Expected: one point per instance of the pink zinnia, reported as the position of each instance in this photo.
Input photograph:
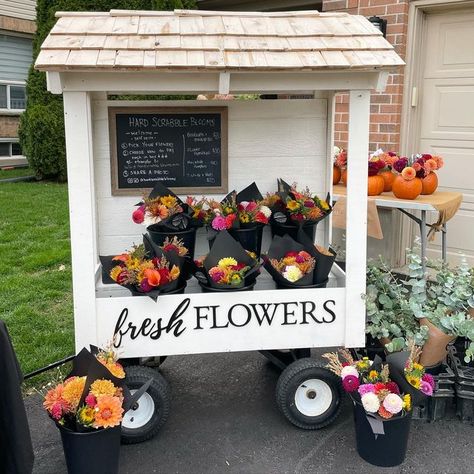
(366, 388)
(56, 411)
(429, 378)
(308, 203)
(426, 388)
(219, 223)
(350, 383)
(216, 274)
(90, 400)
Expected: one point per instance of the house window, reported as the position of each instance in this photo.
(9, 147)
(12, 96)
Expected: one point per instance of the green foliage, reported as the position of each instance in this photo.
(42, 137)
(44, 110)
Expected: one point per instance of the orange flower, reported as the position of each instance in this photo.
(315, 213)
(409, 173)
(55, 395)
(72, 392)
(439, 161)
(433, 164)
(416, 166)
(103, 387)
(153, 277)
(108, 412)
(122, 257)
(174, 273)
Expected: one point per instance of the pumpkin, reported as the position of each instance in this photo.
(336, 174)
(429, 183)
(344, 176)
(388, 178)
(406, 189)
(375, 185)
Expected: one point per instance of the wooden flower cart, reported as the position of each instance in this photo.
(117, 146)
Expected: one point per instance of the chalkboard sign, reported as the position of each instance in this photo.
(185, 148)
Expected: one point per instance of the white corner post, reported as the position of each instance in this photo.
(356, 220)
(82, 214)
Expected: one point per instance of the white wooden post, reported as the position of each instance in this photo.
(331, 101)
(356, 220)
(82, 213)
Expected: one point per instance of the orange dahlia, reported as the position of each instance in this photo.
(409, 173)
(384, 413)
(433, 164)
(108, 412)
(53, 396)
(72, 392)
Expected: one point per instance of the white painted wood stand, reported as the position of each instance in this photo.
(268, 139)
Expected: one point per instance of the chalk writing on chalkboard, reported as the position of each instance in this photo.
(185, 148)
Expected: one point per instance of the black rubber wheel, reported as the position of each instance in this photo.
(309, 395)
(144, 420)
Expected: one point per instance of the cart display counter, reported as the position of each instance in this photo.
(92, 58)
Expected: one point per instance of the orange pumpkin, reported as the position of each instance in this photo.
(336, 174)
(406, 189)
(344, 176)
(429, 183)
(375, 185)
(388, 178)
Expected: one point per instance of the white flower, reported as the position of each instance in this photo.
(337, 150)
(377, 153)
(149, 219)
(244, 204)
(266, 211)
(292, 273)
(393, 403)
(370, 402)
(349, 370)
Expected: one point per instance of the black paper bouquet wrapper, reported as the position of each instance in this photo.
(396, 362)
(225, 246)
(85, 364)
(152, 250)
(324, 262)
(178, 222)
(279, 247)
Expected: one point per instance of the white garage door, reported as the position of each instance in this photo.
(447, 117)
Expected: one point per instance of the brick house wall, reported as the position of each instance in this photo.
(385, 108)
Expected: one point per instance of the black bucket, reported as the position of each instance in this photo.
(309, 229)
(211, 289)
(294, 286)
(159, 233)
(249, 237)
(92, 452)
(176, 291)
(384, 450)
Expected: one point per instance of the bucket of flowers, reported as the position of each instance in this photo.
(147, 269)
(165, 215)
(88, 407)
(290, 265)
(382, 413)
(293, 209)
(243, 215)
(227, 267)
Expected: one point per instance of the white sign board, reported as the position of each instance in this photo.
(213, 322)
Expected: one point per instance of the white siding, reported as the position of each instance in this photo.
(264, 144)
(24, 9)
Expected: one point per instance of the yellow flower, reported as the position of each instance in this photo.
(415, 381)
(115, 272)
(72, 391)
(228, 210)
(324, 205)
(417, 366)
(174, 273)
(133, 263)
(292, 205)
(373, 374)
(235, 279)
(86, 415)
(103, 387)
(226, 262)
(407, 402)
(168, 201)
(244, 218)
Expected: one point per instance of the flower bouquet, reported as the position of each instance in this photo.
(290, 265)
(375, 182)
(165, 215)
(339, 165)
(387, 174)
(88, 408)
(293, 209)
(147, 269)
(243, 215)
(382, 414)
(227, 266)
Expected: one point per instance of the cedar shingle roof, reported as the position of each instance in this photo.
(197, 40)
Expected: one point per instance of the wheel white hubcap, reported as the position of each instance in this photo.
(313, 397)
(140, 414)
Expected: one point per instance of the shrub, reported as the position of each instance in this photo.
(42, 125)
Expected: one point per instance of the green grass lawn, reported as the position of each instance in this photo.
(15, 173)
(35, 271)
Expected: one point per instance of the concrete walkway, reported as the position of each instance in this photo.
(224, 420)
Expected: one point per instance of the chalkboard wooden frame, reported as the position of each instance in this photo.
(112, 113)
